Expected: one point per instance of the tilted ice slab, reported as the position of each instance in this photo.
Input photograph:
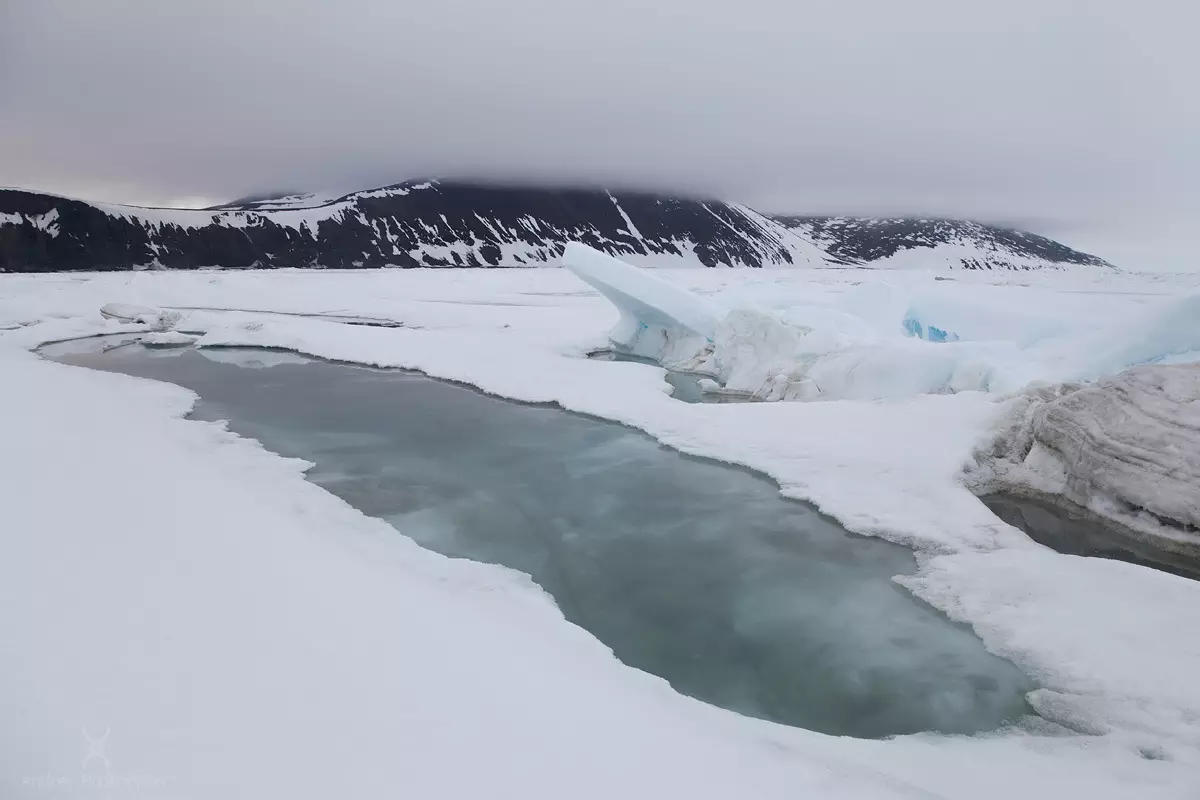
(1126, 448)
(658, 320)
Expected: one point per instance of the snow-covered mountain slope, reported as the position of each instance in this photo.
(936, 243)
(448, 224)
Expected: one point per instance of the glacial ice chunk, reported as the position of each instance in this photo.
(658, 320)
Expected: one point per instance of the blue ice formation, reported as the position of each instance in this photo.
(930, 332)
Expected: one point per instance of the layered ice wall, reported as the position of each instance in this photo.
(1126, 448)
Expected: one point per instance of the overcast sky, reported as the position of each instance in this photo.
(1079, 119)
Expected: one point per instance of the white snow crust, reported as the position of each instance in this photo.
(228, 629)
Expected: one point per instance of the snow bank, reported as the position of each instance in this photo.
(1018, 599)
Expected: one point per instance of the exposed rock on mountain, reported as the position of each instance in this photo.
(447, 224)
(935, 243)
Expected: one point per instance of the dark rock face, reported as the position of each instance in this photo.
(857, 240)
(444, 224)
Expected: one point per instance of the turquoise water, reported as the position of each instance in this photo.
(689, 569)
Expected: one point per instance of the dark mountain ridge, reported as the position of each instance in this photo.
(458, 224)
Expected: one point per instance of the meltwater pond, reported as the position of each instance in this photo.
(689, 569)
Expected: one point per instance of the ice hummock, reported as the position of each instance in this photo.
(806, 352)
(878, 341)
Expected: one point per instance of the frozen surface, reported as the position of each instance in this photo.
(222, 615)
(694, 571)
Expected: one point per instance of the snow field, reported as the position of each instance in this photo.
(228, 620)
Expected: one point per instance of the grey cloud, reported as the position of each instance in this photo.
(1077, 113)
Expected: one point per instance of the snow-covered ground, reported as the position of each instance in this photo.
(184, 616)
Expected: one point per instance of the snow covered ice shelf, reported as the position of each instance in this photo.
(222, 615)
